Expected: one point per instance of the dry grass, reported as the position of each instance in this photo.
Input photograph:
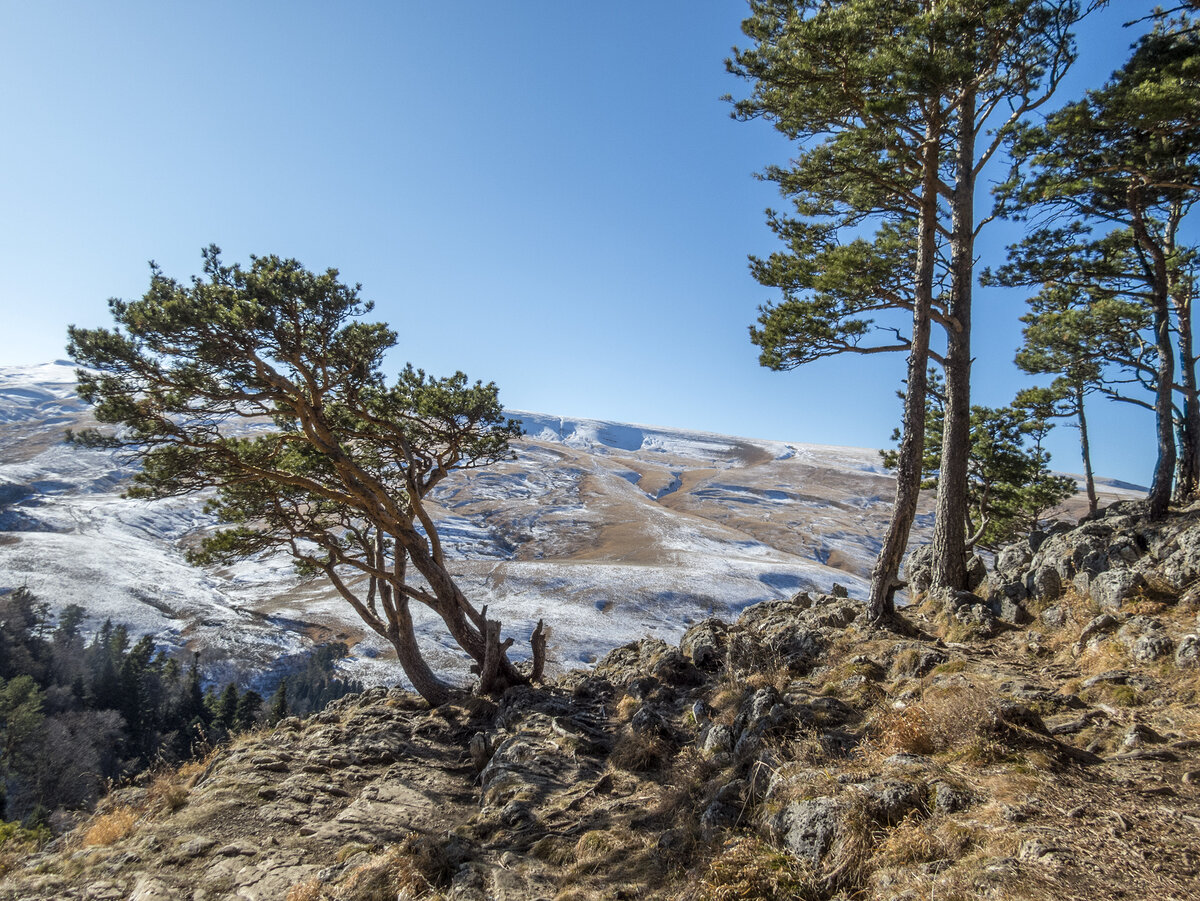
(749, 868)
(959, 719)
(627, 707)
(639, 752)
(918, 841)
(726, 701)
(109, 828)
(907, 729)
(614, 854)
(167, 791)
(417, 867)
(309, 890)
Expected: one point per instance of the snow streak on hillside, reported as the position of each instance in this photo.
(607, 531)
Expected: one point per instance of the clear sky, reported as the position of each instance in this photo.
(550, 195)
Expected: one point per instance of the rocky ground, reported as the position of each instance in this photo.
(1036, 738)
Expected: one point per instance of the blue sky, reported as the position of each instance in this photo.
(550, 195)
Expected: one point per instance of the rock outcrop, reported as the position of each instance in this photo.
(1112, 558)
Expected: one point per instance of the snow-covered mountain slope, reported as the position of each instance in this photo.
(607, 531)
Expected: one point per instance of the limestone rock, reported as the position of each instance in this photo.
(1187, 654)
(807, 829)
(1110, 589)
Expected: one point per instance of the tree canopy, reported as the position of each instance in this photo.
(264, 384)
(896, 108)
(1112, 178)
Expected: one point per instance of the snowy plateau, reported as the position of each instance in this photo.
(609, 532)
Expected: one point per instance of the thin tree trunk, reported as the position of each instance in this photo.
(1187, 487)
(1086, 451)
(1164, 469)
(454, 609)
(404, 640)
(949, 568)
(885, 576)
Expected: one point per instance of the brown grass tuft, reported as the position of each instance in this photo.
(109, 828)
(627, 707)
(750, 868)
(309, 890)
(167, 791)
(959, 718)
(639, 752)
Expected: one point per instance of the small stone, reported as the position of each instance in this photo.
(1140, 734)
(891, 800)
(1151, 646)
(904, 759)
(1105, 622)
(1055, 617)
(481, 751)
(951, 799)
(1034, 849)
(1187, 654)
(808, 828)
(197, 845)
(719, 739)
(515, 813)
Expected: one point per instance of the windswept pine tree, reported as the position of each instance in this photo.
(339, 477)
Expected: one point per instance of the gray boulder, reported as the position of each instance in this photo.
(1044, 583)
(1110, 589)
(1145, 639)
(807, 829)
(1187, 654)
(703, 643)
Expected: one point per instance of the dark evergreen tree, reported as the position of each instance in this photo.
(249, 708)
(279, 703)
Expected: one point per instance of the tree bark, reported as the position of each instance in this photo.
(1187, 487)
(1085, 451)
(1164, 469)
(885, 575)
(491, 680)
(404, 640)
(949, 568)
(461, 619)
(537, 644)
